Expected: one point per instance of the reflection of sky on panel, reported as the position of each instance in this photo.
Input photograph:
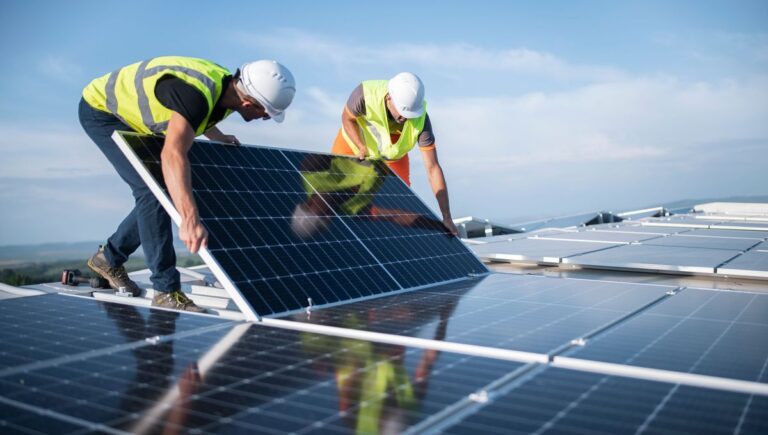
(527, 313)
(203, 373)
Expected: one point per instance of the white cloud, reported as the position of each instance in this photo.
(633, 119)
(611, 140)
(49, 152)
(457, 56)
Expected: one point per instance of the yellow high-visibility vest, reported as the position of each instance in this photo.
(129, 92)
(374, 126)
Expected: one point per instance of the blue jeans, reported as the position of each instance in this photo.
(147, 224)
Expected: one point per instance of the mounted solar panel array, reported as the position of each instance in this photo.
(523, 313)
(680, 244)
(562, 401)
(289, 229)
(687, 361)
(152, 371)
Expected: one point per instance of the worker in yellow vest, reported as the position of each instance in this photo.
(385, 119)
(179, 98)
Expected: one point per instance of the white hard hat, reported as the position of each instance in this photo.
(407, 93)
(271, 84)
(305, 224)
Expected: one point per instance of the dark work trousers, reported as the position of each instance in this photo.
(147, 224)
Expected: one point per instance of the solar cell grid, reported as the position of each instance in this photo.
(560, 401)
(41, 328)
(705, 332)
(289, 226)
(528, 313)
(262, 379)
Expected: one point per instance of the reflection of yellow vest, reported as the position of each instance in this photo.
(381, 376)
(375, 125)
(129, 93)
(345, 174)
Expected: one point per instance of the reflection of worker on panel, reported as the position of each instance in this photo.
(376, 394)
(346, 187)
(154, 364)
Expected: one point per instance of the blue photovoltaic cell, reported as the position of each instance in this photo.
(518, 312)
(707, 332)
(287, 226)
(563, 401)
(236, 378)
(40, 328)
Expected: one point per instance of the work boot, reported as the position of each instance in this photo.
(175, 300)
(116, 276)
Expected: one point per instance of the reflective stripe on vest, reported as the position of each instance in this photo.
(116, 91)
(374, 125)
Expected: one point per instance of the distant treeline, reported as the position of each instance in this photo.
(36, 273)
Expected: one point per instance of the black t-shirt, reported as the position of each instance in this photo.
(186, 100)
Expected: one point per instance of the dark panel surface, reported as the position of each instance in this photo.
(249, 379)
(519, 312)
(562, 401)
(289, 226)
(35, 329)
(715, 333)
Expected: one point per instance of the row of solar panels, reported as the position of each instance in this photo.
(504, 353)
(679, 244)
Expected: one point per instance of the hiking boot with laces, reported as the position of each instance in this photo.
(116, 276)
(175, 300)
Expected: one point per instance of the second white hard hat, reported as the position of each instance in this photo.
(407, 93)
(271, 84)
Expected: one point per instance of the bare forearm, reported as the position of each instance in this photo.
(177, 175)
(214, 133)
(349, 124)
(440, 189)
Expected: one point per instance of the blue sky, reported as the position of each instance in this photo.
(539, 108)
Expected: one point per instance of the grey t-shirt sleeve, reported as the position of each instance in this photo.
(426, 137)
(356, 101)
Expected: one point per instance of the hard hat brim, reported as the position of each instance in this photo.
(278, 117)
(411, 114)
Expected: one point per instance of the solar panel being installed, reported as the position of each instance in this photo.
(287, 227)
